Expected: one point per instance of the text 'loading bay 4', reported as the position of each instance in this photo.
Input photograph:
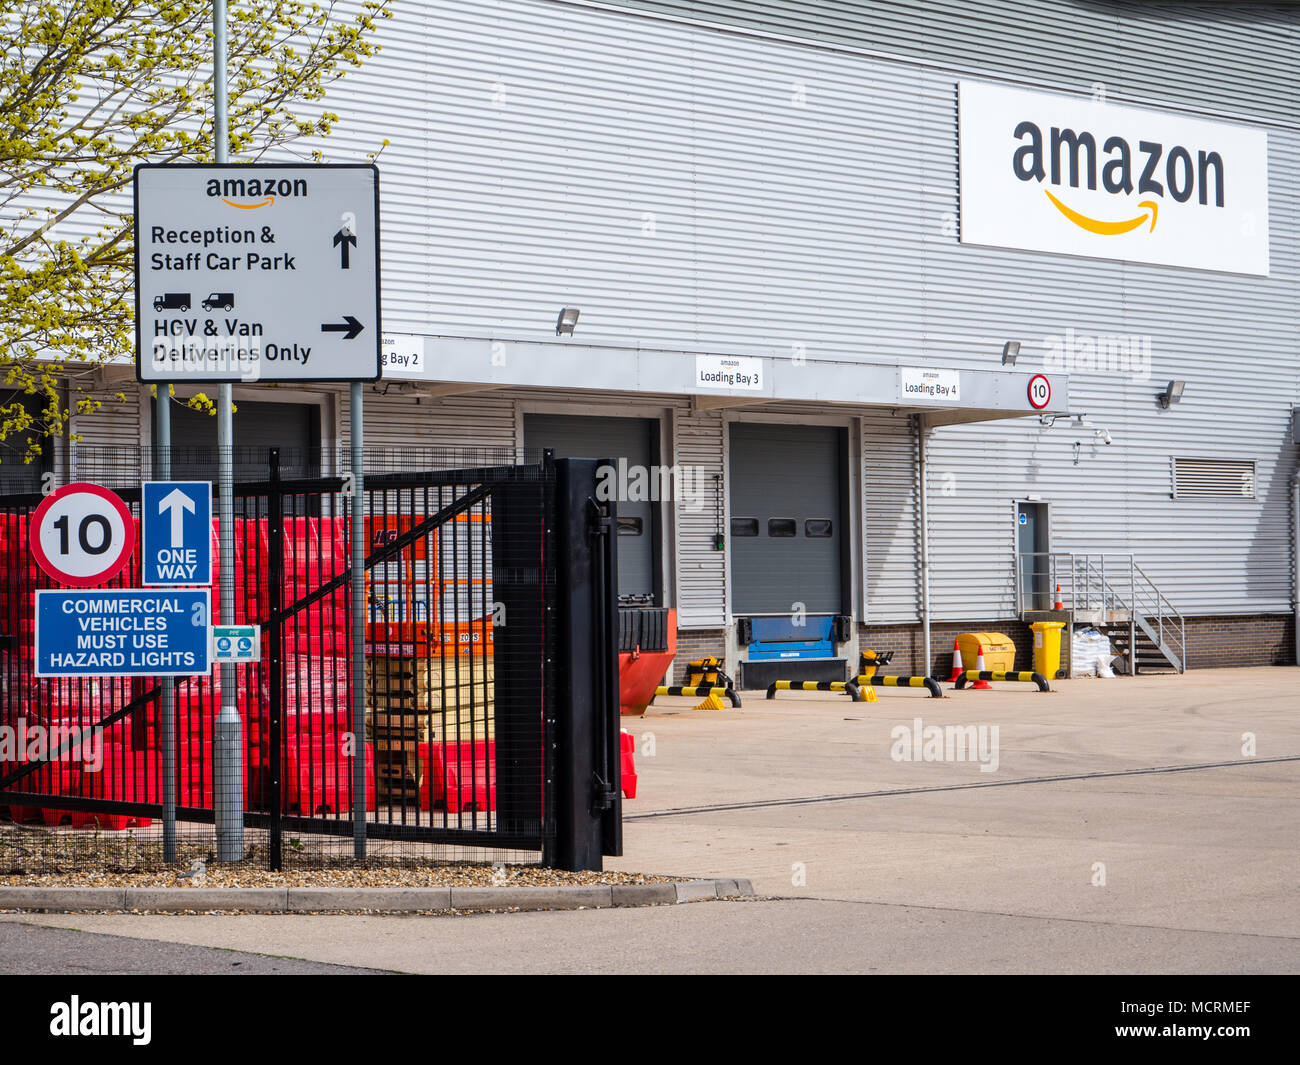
(271, 277)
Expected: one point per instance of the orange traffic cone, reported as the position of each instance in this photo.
(1058, 605)
(956, 662)
(979, 664)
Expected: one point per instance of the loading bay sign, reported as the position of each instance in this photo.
(259, 272)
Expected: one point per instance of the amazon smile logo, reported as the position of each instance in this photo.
(263, 191)
(1069, 159)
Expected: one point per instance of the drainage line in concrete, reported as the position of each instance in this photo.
(810, 799)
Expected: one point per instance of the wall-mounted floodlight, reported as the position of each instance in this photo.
(566, 321)
(1172, 394)
(1010, 352)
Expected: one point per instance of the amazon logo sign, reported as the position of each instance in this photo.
(1078, 177)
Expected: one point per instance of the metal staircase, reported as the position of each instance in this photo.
(1110, 591)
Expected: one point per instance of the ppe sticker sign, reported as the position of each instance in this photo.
(237, 643)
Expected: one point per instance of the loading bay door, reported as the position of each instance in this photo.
(788, 508)
(633, 439)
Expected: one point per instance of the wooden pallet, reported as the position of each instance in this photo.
(383, 727)
(427, 681)
(398, 774)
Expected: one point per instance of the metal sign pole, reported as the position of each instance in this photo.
(358, 624)
(228, 753)
(167, 735)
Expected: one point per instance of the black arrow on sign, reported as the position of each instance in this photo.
(345, 238)
(349, 327)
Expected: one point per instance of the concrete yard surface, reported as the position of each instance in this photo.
(1131, 825)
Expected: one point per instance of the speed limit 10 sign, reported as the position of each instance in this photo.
(1040, 391)
(82, 534)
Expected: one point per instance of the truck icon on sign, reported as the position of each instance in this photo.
(224, 300)
(172, 301)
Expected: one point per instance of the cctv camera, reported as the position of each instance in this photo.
(1105, 435)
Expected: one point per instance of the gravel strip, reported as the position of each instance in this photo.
(435, 875)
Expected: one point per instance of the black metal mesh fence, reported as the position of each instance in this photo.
(453, 670)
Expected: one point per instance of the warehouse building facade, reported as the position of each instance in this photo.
(889, 301)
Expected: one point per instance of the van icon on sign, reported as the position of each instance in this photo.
(172, 301)
(224, 300)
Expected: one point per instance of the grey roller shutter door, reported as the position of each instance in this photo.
(292, 427)
(786, 489)
(579, 437)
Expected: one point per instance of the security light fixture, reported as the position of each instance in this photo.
(566, 321)
(1010, 352)
(1080, 420)
(1172, 394)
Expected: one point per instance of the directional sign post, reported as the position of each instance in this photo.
(260, 273)
(176, 532)
(257, 273)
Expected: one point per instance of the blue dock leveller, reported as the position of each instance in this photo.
(781, 650)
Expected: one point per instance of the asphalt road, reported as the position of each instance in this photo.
(35, 950)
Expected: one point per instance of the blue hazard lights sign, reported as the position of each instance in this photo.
(123, 632)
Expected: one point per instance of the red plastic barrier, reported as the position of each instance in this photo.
(627, 753)
(21, 814)
(467, 781)
(126, 776)
(318, 776)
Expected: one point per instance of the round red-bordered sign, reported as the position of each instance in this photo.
(82, 534)
(1040, 391)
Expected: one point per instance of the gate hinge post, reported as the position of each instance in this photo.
(599, 522)
(602, 794)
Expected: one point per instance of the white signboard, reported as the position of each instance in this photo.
(1081, 177)
(402, 354)
(729, 372)
(929, 386)
(257, 273)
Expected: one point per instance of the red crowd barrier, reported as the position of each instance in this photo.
(466, 779)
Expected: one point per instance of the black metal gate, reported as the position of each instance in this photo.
(489, 669)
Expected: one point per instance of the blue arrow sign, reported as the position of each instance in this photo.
(118, 632)
(176, 533)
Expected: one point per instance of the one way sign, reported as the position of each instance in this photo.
(176, 532)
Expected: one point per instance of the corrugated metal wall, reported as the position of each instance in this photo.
(890, 519)
(698, 189)
(1226, 57)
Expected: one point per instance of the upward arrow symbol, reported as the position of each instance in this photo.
(344, 238)
(178, 503)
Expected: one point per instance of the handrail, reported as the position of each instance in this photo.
(1108, 581)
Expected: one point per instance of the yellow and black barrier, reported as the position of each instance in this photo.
(929, 683)
(699, 691)
(848, 687)
(1023, 676)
